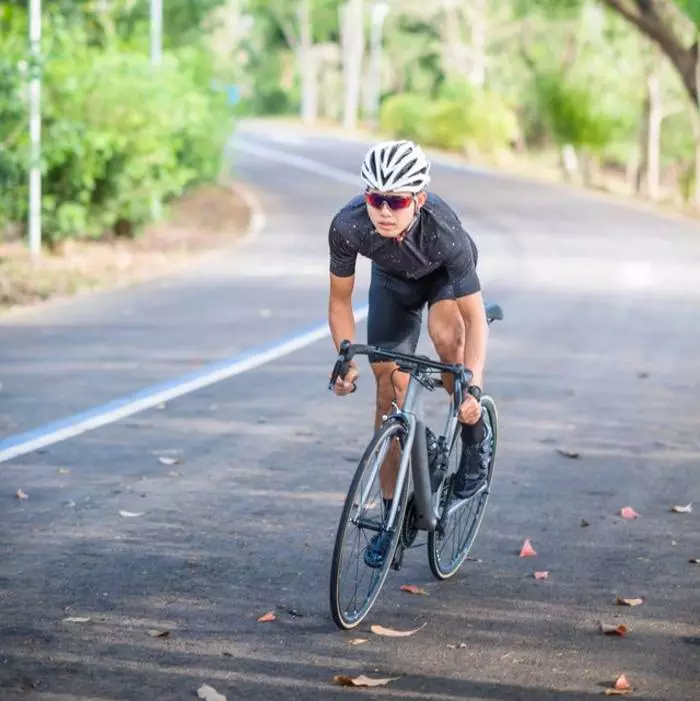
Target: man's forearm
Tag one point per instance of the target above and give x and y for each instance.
(341, 321)
(477, 332)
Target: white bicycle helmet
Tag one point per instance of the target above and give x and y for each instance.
(396, 166)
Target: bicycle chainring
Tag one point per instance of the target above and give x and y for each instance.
(409, 531)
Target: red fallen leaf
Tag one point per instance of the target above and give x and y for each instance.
(542, 575)
(413, 589)
(269, 616)
(527, 550)
(622, 683)
(608, 629)
(628, 512)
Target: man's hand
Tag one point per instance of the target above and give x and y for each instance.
(344, 386)
(470, 410)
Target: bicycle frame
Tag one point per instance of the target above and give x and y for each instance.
(415, 450)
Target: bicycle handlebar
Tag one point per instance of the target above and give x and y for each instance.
(348, 350)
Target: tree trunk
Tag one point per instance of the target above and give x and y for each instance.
(645, 15)
(477, 73)
(352, 39)
(655, 116)
(306, 60)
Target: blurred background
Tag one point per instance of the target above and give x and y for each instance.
(138, 97)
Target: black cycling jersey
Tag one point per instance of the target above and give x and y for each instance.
(436, 241)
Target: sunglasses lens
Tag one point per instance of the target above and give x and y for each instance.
(394, 201)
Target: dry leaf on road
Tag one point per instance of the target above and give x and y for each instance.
(77, 619)
(269, 616)
(21, 495)
(158, 633)
(362, 680)
(584, 523)
(541, 575)
(357, 641)
(687, 509)
(209, 693)
(620, 601)
(166, 460)
(130, 514)
(612, 629)
(628, 512)
(391, 633)
(572, 454)
(527, 550)
(413, 589)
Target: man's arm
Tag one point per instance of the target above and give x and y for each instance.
(477, 330)
(340, 315)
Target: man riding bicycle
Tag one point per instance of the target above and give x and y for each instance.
(421, 255)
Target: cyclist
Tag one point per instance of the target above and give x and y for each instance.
(421, 255)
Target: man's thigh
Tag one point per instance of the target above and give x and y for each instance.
(395, 314)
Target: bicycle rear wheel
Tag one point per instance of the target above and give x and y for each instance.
(449, 547)
(354, 587)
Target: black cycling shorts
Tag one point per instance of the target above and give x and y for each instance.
(396, 308)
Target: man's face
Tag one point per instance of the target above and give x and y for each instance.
(392, 222)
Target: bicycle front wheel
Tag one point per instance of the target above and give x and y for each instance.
(449, 547)
(354, 587)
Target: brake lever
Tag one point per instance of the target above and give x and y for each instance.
(340, 370)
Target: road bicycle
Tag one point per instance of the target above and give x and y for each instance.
(423, 493)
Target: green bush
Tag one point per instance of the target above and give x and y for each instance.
(461, 116)
(117, 132)
(575, 114)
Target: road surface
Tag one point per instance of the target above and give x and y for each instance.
(598, 354)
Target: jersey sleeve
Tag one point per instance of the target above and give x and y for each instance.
(343, 252)
(461, 263)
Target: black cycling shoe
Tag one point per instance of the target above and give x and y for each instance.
(376, 550)
(473, 468)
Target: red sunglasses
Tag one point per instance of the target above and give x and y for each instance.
(376, 200)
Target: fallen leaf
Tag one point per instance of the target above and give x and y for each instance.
(269, 616)
(130, 514)
(612, 629)
(527, 550)
(77, 619)
(688, 508)
(621, 683)
(694, 561)
(573, 455)
(413, 589)
(461, 646)
(362, 680)
(21, 495)
(628, 512)
(63, 471)
(391, 633)
(294, 613)
(541, 575)
(209, 693)
(166, 460)
(159, 633)
(357, 641)
(584, 523)
(629, 602)
(617, 692)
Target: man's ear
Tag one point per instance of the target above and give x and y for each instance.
(421, 197)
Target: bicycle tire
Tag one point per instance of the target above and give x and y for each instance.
(440, 569)
(390, 428)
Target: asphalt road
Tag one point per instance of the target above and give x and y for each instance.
(598, 354)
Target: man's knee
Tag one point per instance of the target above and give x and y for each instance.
(390, 384)
(448, 339)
